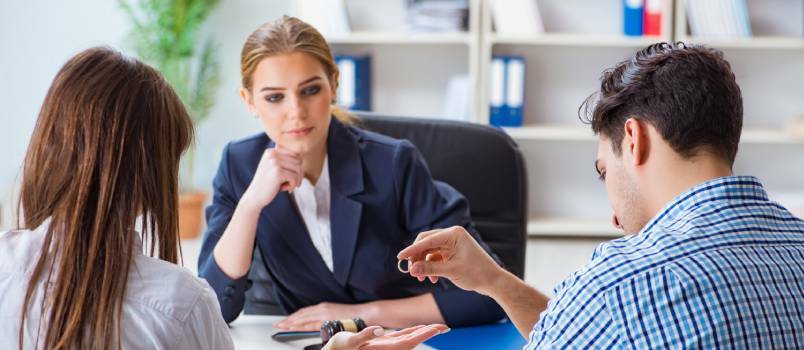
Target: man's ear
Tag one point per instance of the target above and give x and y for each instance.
(636, 141)
(245, 95)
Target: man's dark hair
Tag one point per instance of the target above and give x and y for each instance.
(687, 92)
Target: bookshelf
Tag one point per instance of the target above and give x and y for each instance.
(776, 25)
(411, 70)
(582, 38)
(563, 66)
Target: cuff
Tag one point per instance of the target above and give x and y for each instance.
(230, 292)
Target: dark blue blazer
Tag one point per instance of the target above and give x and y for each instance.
(382, 196)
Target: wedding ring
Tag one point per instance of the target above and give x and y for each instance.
(399, 266)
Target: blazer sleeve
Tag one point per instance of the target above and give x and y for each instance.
(230, 292)
(428, 204)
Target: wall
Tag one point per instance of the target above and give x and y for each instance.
(37, 37)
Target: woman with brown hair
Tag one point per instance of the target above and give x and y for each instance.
(102, 163)
(104, 156)
(327, 204)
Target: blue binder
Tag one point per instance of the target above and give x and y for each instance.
(354, 89)
(507, 90)
(633, 13)
(498, 110)
(514, 89)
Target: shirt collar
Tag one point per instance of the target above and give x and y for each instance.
(723, 188)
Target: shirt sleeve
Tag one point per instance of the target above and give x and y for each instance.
(428, 204)
(231, 293)
(576, 318)
(204, 328)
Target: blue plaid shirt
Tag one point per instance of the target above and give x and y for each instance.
(720, 267)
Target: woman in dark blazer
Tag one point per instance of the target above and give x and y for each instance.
(328, 204)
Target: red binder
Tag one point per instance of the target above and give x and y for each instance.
(652, 23)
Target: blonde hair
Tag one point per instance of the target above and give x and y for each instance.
(285, 36)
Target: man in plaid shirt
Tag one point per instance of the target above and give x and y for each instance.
(708, 260)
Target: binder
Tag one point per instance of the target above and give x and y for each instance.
(507, 90)
(497, 101)
(652, 23)
(354, 88)
(632, 17)
(514, 90)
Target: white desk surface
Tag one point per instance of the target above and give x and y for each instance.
(253, 332)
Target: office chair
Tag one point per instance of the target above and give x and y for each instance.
(481, 162)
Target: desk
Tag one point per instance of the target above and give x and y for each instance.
(252, 332)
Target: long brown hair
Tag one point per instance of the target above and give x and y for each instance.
(105, 150)
(288, 35)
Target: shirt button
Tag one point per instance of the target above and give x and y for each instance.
(228, 290)
(227, 299)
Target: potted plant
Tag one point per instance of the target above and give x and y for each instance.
(165, 34)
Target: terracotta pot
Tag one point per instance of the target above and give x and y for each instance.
(191, 213)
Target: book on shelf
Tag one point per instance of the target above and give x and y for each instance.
(718, 18)
(437, 15)
(329, 17)
(507, 91)
(354, 88)
(516, 17)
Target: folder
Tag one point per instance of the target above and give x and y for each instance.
(514, 90)
(497, 101)
(354, 88)
(632, 17)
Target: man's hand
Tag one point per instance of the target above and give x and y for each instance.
(310, 318)
(454, 254)
(372, 338)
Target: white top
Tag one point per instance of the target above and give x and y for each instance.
(165, 306)
(313, 203)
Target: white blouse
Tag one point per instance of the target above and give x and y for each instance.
(165, 306)
(313, 203)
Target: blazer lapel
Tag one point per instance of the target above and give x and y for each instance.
(346, 179)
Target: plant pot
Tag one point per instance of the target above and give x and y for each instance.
(191, 206)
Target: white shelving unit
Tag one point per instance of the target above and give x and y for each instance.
(768, 20)
(410, 70)
(563, 65)
(559, 77)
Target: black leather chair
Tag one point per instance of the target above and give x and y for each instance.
(481, 162)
